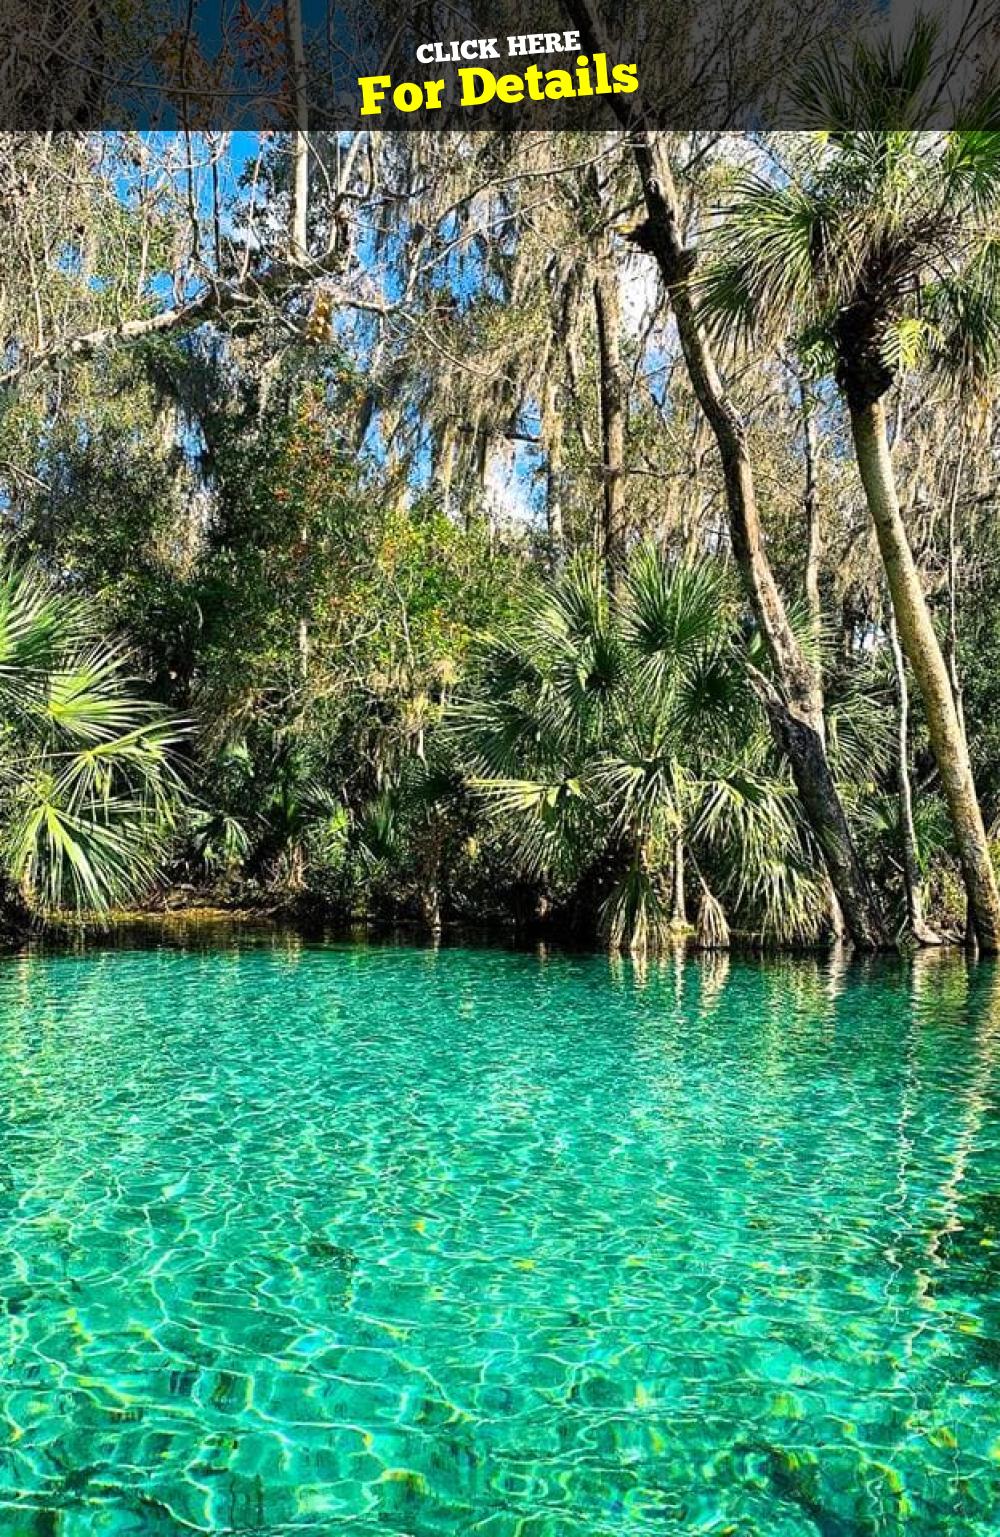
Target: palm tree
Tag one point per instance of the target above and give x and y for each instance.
(616, 736)
(876, 248)
(794, 700)
(88, 783)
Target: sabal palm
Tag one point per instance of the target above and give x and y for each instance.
(877, 249)
(88, 785)
(609, 729)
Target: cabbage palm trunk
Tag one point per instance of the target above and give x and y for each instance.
(923, 651)
(919, 927)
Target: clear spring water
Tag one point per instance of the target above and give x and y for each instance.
(303, 1240)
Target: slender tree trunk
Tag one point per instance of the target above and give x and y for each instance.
(430, 896)
(446, 466)
(553, 418)
(300, 139)
(678, 903)
(810, 502)
(922, 933)
(480, 460)
(482, 454)
(573, 375)
(552, 433)
(838, 928)
(923, 652)
(607, 310)
(952, 642)
(813, 555)
(814, 551)
(795, 707)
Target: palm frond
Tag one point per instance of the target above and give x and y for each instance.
(88, 769)
(634, 916)
(86, 859)
(889, 86)
(712, 929)
(765, 252)
(962, 312)
(970, 169)
(675, 610)
(609, 725)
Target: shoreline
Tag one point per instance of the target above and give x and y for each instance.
(208, 921)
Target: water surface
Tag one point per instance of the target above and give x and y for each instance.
(302, 1239)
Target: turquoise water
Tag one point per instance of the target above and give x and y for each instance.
(306, 1240)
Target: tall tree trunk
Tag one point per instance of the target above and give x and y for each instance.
(795, 707)
(430, 896)
(922, 933)
(810, 502)
(678, 903)
(574, 371)
(838, 927)
(445, 468)
(607, 310)
(553, 430)
(300, 139)
(952, 643)
(814, 551)
(552, 433)
(697, 496)
(923, 652)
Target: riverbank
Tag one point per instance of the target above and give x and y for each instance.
(205, 925)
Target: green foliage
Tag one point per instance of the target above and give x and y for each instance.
(288, 515)
(608, 730)
(89, 787)
(877, 249)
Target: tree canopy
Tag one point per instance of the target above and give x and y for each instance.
(592, 530)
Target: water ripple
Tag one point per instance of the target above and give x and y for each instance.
(301, 1239)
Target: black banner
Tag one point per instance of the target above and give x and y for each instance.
(569, 64)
